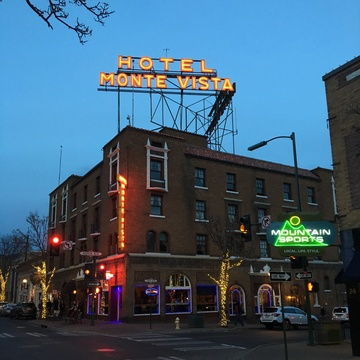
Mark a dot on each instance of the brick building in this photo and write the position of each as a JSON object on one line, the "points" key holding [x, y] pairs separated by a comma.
{"points": [[172, 184]]}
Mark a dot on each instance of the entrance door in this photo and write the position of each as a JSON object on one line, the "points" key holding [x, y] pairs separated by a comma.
{"points": [[115, 303]]}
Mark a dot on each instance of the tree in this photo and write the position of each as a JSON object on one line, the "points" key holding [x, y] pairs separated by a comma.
{"points": [[57, 11], [231, 247], [11, 246]]}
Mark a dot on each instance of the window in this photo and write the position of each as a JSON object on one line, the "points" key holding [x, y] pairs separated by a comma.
{"points": [[151, 241], [85, 193], [53, 211], [144, 304], [64, 202], [74, 201], [73, 230], [163, 242], [200, 210], [232, 213], [264, 250], [95, 226], [157, 165], [287, 191], [230, 182], [200, 177], [311, 195], [260, 214], [206, 298], [156, 205], [113, 166], [112, 243], [97, 185], [178, 295], [83, 230], [260, 187], [113, 207], [201, 244]]}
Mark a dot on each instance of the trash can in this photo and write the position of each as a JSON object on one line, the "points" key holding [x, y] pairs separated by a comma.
{"points": [[195, 321], [329, 332]]}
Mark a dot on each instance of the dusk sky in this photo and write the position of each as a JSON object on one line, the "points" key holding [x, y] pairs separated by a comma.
{"points": [[275, 51]]}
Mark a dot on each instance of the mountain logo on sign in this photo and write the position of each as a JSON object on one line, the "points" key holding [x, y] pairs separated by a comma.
{"points": [[293, 233]]}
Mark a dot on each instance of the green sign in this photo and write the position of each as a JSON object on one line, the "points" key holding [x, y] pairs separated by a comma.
{"points": [[295, 233]]}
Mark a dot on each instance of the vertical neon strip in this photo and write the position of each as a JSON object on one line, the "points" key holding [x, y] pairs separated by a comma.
{"points": [[121, 211]]}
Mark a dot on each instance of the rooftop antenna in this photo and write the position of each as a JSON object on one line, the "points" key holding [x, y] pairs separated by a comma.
{"points": [[166, 51], [60, 164]]}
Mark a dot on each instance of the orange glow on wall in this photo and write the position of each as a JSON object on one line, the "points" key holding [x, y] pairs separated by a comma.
{"points": [[121, 209]]}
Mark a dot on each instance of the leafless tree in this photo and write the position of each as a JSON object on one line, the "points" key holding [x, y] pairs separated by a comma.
{"points": [[58, 11]]}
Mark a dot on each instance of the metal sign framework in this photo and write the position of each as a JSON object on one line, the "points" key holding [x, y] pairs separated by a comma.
{"points": [[211, 115]]}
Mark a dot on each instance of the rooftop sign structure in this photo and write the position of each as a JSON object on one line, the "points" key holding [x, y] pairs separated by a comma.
{"points": [[164, 73], [294, 236]]}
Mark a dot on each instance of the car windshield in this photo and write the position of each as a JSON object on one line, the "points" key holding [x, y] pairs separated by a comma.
{"points": [[270, 310], [339, 310]]}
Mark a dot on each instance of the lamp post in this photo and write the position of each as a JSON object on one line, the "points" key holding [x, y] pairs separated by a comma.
{"points": [[292, 137]]}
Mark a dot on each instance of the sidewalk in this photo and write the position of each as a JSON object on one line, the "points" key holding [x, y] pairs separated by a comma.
{"points": [[296, 350]]}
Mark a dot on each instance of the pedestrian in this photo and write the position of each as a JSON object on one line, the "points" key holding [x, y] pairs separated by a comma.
{"points": [[238, 315]]}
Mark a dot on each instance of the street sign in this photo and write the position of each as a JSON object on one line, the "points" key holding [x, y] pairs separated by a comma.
{"points": [[303, 275], [266, 221], [67, 245], [150, 281], [151, 291], [94, 283], [90, 253], [280, 276]]}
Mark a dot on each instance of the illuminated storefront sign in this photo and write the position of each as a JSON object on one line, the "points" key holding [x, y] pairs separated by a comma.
{"points": [[121, 208], [304, 234], [163, 73]]}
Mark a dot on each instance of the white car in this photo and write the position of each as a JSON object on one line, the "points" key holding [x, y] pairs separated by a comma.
{"points": [[294, 317], [340, 313]]}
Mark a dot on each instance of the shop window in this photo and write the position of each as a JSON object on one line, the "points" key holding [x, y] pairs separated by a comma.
{"points": [[206, 298], [178, 295], [265, 298], [99, 302], [146, 304]]}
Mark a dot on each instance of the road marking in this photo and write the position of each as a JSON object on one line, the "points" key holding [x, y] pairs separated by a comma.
{"points": [[66, 333], [194, 342], [169, 358], [199, 348], [162, 339], [36, 334], [4, 335], [20, 327], [234, 346]]}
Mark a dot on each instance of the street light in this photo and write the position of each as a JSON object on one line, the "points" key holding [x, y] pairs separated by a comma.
{"points": [[292, 137]]}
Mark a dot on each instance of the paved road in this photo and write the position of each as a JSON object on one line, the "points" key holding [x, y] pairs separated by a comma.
{"points": [[21, 338]]}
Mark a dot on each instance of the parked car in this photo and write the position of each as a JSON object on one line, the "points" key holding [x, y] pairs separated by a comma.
{"points": [[294, 317], [5, 310], [2, 304], [340, 313], [23, 310]]}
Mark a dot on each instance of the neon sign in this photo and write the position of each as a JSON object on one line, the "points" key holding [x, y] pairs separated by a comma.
{"points": [[121, 208], [295, 233], [186, 74]]}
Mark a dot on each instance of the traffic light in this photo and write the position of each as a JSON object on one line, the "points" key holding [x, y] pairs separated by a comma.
{"points": [[54, 245], [298, 262], [101, 272], [245, 227], [312, 286], [89, 272]]}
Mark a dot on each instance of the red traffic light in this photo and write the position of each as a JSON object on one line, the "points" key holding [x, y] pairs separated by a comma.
{"points": [[55, 240], [102, 267], [54, 244]]}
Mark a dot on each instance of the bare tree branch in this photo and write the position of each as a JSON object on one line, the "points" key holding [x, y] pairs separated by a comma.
{"points": [[57, 11]]}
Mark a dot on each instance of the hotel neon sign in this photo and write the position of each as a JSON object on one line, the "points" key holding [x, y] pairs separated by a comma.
{"points": [[121, 208], [185, 74], [294, 233]]}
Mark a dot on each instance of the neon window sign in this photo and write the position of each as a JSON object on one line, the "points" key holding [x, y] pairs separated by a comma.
{"points": [[294, 232], [121, 208]]}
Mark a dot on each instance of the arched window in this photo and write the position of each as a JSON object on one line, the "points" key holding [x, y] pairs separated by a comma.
{"points": [[237, 300], [178, 294], [265, 298], [163, 242], [151, 241]]}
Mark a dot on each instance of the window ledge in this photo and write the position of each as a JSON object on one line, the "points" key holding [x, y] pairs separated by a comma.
{"points": [[74, 209], [82, 239], [288, 200], [232, 192], [261, 196], [201, 187], [203, 256], [312, 204], [97, 195], [202, 220], [113, 219], [84, 203], [158, 216]]}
